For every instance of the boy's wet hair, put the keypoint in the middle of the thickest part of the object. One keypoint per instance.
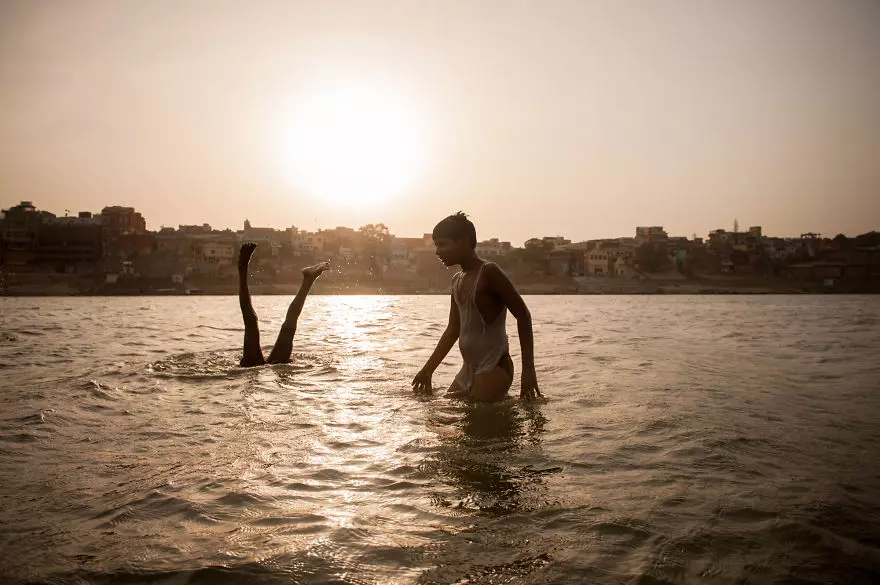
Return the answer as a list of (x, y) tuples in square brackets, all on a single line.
[(456, 227)]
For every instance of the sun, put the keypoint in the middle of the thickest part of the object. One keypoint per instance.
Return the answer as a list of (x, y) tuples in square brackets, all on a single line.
[(353, 145)]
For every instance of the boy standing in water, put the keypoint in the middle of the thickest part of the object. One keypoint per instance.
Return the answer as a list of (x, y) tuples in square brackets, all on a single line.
[(481, 296)]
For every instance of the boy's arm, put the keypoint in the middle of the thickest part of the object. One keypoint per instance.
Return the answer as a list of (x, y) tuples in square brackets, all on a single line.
[(422, 381), (502, 287)]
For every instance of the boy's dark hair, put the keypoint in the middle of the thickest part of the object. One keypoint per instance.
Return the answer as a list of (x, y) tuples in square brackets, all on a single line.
[(456, 227)]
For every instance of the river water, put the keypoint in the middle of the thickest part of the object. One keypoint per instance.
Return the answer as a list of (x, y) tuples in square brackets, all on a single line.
[(685, 439)]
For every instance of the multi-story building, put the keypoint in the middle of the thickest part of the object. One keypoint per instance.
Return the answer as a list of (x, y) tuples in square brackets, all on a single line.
[(556, 241), (193, 230), (608, 257), (174, 243), (492, 248), (650, 234), (562, 262), (346, 254), (80, 219), (70, 243), (216, 250), (409, 253), (405, 250), (124, 237), (306, 242), (597, 262), (215, 253), (32, 237), (269, 238), (399, 252), (122, 221), (19, 232)]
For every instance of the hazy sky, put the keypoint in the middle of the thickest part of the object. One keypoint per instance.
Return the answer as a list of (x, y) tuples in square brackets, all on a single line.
[(578, 118)]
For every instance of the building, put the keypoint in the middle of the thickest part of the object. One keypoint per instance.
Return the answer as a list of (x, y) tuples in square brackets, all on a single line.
[(404, 251), (304, 242), (608, 257), (82, 218), (19, 233), (346, 254), (39, 238), (339, 236), (720, 237), (343, 233), (174, 243), (122, 221), (562, 262), (556, 241), (216, 250), (214, 254), (124, 236), (650, 235), (492, 248), (399, 252), (193, 230), (70, 245), (269, 238), (597, 262), (123, 249), (174, 254)]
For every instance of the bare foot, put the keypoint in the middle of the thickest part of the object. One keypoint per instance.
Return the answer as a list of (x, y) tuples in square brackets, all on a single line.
[(244, 255), (316, 270)]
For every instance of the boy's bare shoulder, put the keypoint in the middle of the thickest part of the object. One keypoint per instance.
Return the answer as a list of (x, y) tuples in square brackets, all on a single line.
[(493, 268), (495, 273)]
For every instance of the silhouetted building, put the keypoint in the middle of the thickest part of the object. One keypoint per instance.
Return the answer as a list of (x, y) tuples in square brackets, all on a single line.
[(67, 245), (194, 229), (650, 234), (122, 221), (555, 241), (38, 238), (270, 238), (493, 247), (720, 237), (305, 242), (19, 233), (215, 254)]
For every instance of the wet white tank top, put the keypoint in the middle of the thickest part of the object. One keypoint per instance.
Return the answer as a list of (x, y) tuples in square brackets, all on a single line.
[(482, 344)]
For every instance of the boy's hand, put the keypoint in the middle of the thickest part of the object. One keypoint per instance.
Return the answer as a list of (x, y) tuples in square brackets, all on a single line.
[(530, 389), (422, 381)]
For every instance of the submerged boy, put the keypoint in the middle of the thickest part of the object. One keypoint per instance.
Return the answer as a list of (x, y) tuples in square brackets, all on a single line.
[(253, 353), (481, 296)]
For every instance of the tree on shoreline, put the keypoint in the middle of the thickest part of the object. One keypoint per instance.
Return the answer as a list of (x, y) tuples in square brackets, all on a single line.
[(376, 240)]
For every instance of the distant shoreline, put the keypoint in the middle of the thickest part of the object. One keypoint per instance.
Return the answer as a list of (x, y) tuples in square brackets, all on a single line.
[(55, 285), (255, 291)]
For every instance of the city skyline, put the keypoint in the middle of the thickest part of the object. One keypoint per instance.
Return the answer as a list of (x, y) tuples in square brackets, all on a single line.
[(246, 224), (576, 118), (114, 251)]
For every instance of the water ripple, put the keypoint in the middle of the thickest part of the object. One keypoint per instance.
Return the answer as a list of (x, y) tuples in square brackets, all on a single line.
[(686, 440)]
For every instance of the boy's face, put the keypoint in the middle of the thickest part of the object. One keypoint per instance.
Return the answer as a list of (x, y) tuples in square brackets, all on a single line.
[(451, 251)]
